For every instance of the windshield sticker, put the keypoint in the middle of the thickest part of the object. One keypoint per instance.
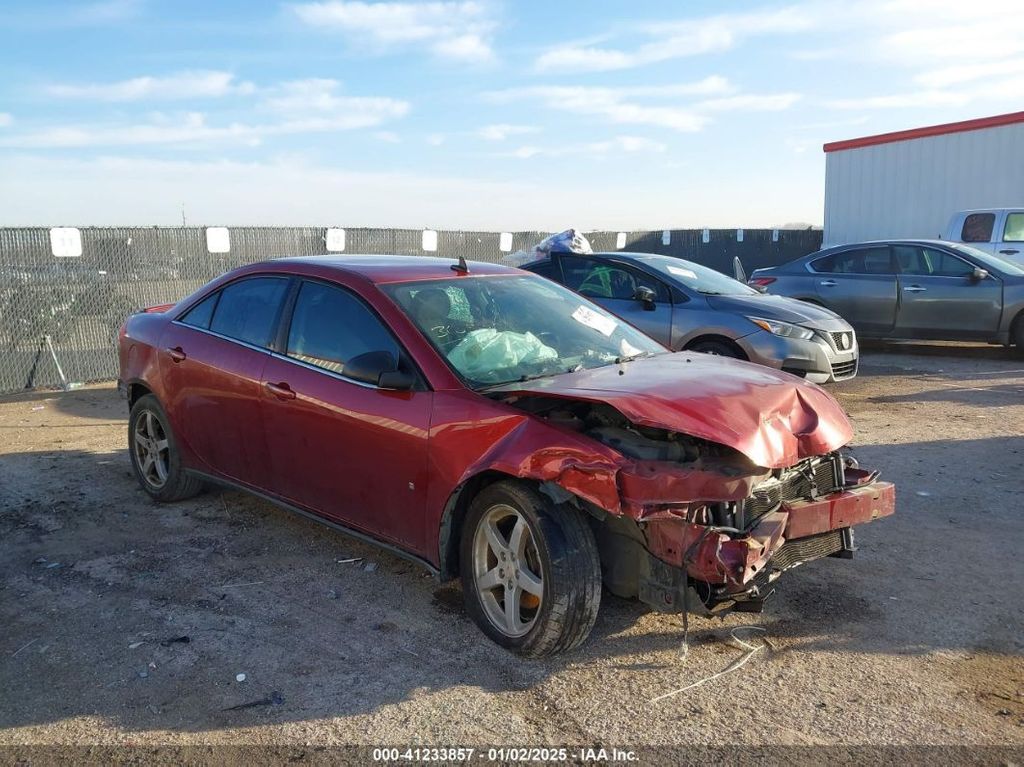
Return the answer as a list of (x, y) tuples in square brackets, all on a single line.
[(603, 325), (680, 272)]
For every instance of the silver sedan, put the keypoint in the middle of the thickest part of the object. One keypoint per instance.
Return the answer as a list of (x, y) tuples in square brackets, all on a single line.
[(688, 306)]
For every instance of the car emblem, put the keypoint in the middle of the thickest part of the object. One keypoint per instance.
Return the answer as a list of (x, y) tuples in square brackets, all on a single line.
[(844, 341)]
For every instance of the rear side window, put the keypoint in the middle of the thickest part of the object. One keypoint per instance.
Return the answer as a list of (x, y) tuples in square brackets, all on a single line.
[(545, 269), (248, 309), (978, 227), (331, 326), (1014, 229), (875, 260), (199, 316)]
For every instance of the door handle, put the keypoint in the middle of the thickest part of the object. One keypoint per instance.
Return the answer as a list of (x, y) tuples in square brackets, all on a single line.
[(177, 354), (1009, 252), (914, 289), (279, 390), (827, 283)]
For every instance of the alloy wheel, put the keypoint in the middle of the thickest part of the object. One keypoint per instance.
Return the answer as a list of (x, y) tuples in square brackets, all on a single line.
[(152, 450), (507, 571)]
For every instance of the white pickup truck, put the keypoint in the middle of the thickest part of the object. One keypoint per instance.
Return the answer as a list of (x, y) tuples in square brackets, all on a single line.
[(997, 230)]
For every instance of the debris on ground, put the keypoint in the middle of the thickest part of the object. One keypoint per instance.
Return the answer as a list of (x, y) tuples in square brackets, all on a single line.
[(274, 699), (349, 561), (176, 640), (239, 677), (370, 567)]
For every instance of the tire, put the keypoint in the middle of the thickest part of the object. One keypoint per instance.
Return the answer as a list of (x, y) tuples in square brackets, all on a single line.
[(1018, 335), (163, 478), (718, 348), (557, 542)]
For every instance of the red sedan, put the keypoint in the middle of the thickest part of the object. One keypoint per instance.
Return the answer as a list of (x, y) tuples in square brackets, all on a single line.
[(497, 427)]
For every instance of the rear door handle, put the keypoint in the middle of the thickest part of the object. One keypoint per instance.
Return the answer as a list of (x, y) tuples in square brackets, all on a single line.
[(1009, 252), (915, 289), (279, 390), (177, 354), (827, 283)]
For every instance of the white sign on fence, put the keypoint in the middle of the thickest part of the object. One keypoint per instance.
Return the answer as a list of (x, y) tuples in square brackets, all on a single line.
[(666, 237), (505, 242), (620, 240), (217, 239), (429, 239), (65, 242), (335, 240)]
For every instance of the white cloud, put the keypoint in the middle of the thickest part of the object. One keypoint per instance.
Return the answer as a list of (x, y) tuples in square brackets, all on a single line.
[(957, 74), (459, 31), (673, 40), (436, 139), (638, 105), (45, 190), (388, 137), (193, 129), (902, 101), (5, 119), (502, 131), (627, 144), (321, 96), (749, 102), (181, 85)]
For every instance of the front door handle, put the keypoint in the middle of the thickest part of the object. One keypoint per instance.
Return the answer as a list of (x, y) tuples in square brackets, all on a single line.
[(177, 354), (914, 289), (827, 283), (1009, 252), (279, 390)]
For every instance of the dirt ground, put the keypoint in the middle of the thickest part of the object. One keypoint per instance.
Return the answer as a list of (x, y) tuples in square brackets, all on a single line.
[(918, 640)]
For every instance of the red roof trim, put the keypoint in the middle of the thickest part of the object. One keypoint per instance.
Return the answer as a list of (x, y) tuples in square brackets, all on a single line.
[(931, 130)]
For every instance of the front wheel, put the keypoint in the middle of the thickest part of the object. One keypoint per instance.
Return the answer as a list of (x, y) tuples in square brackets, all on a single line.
[(718, 348), (530, 570), (154, 453)]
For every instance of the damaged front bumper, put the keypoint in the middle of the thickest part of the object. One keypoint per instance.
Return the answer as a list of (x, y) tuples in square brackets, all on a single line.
[(689, 556)]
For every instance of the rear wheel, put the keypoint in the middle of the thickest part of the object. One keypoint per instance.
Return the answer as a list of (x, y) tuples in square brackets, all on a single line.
[(530, 570), (719, 348), (154, 453), (1018, 334)]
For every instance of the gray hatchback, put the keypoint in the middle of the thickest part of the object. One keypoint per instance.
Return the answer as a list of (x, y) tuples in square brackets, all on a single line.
[(688, 306)]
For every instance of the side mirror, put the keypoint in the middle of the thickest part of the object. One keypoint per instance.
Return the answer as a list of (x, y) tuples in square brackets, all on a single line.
[(646, 296), (378, 369), (978, 274)]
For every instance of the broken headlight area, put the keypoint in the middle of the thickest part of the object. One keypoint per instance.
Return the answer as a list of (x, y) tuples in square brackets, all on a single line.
[(698, 526)]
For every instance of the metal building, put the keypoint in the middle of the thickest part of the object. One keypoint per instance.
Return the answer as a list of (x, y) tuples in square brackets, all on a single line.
[(909, 183)]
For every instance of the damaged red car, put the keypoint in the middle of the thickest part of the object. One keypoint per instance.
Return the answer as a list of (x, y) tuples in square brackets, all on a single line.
[(498, 428)]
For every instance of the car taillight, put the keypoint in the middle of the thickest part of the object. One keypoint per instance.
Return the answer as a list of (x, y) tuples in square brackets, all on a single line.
[(761, 282)]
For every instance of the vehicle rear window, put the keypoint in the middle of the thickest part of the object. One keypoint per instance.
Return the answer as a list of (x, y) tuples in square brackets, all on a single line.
[(248, 309), (544, 269), (331, 326), (876, 260), (1014, 229), (199, 316), (978, 227)]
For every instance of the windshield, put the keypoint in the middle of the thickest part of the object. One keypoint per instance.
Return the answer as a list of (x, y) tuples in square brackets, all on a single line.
[(988, 260), (495, 330), (697, 277)]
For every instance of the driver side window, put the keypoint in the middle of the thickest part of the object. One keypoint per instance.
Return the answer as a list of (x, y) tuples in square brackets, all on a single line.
[(601, 279), (330, 326)]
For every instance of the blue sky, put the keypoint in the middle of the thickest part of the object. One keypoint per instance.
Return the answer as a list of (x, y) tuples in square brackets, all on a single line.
[(491, 114)]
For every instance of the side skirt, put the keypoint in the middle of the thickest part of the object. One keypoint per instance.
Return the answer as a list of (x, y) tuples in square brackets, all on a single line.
[(352, 533)]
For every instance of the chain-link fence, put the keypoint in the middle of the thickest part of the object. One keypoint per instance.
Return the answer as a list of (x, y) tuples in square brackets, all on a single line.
[(60, 314)]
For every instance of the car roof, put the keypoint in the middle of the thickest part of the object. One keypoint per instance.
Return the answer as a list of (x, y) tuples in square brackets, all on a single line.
[(393, 268)]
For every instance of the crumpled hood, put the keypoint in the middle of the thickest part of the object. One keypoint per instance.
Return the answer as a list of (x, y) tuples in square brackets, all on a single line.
[(773, 418), (781, 308)]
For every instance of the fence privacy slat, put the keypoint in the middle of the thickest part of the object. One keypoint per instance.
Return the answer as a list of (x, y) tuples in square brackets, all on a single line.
[(80, 302)]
